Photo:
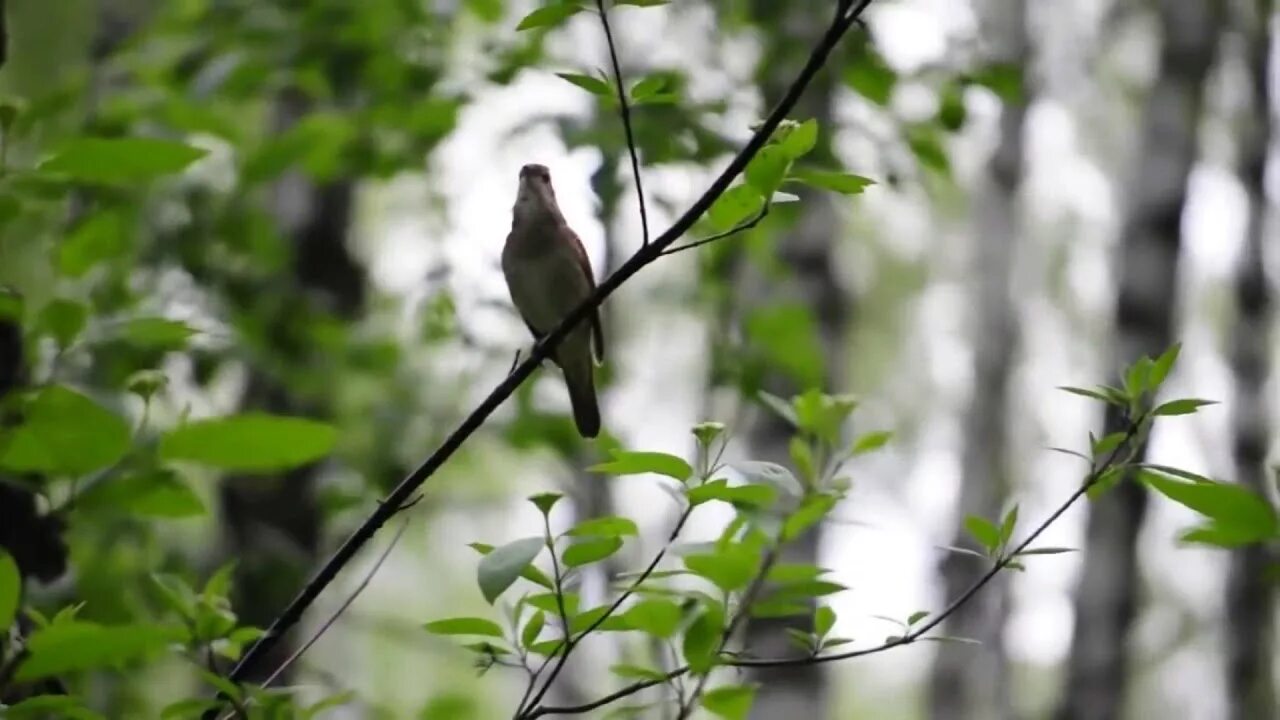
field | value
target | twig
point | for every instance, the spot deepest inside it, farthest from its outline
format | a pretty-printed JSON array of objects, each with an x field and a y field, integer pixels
[
  {"x": 531, "y": 710},
  {"x": 744, "y": 609},
  {"x": 742, "y": 227},
  {"x": 911, "y": 637},
  {"x": 625, "y": 111},
  {"x": 377, "y": 565},
  {"x": 843, "y": 20}
]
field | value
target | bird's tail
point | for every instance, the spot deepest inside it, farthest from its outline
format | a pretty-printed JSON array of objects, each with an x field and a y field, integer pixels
[{"x": 580, "y": 380}]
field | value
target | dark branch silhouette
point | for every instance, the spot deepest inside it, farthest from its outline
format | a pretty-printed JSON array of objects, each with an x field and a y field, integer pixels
[{"x": 845, "y": 16}]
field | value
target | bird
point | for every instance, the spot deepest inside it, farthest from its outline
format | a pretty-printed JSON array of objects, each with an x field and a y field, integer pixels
[{"x": 549, "y": 274}]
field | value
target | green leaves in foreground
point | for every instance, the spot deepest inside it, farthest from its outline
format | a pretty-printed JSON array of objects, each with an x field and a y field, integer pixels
[
  {"x": 1235, "y": 515},
  {"x": 65, "y": 433},
  {"x": 10, "y": 590},
  {"x": 252, "y": 442},
  {"x": 121, "y": 161},
  {"x": 75, "y": 645}
]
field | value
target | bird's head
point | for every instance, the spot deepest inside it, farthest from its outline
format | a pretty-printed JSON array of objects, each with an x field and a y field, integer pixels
[{"x": 535, "y": 196}]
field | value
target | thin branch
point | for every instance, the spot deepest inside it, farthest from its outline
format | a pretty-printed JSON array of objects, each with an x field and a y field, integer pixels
[
  {"x": 377, "y": 565},
  {"x": 610, "y": 698},
  {"x": 744, "y": 609},
  {"x": 572, "y": 642},
  {"x": 1094, "y": 476},
  {"x": 843, "y": 20},
  {"x": 625, "y": 111},
  {"x": 744, "y": 226}
]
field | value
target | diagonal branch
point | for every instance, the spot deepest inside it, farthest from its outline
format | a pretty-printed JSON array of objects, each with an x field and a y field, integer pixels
[
  {"x": 847, "y": 12},
  {"x": 624, "y": 110}
]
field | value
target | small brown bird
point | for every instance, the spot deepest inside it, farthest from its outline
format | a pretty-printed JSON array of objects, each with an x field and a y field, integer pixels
[{"x": 548, "y": 274}]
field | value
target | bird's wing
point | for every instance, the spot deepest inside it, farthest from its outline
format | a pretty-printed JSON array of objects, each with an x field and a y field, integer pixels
[{"x": 580, "y": 254}]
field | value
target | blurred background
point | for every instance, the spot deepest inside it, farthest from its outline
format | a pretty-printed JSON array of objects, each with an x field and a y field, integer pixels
[{"x": 1061, "y": 186}]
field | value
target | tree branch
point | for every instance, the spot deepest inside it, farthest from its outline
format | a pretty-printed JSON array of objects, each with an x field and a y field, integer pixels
[
  {"x": 571, "y": 643},
  {"x": 846, "y": 14},
  {"x": 625, "y": 111}
]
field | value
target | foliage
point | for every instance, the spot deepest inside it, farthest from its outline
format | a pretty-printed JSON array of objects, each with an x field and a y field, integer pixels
[{"x": 162, "y": 197}]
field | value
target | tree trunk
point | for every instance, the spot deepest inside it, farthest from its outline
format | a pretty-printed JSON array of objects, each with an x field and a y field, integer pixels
[
  {"x": 807, "y": 250},
  {"x": 969, "y": 681},
  {"x": 1106, "y": 598},
  {"x": 1250, "y": 601}
]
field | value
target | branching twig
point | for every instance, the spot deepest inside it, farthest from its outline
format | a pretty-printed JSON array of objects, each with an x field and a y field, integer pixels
[
  {"x": 744, "y": 609},
  {"x": 846, "y": 14},
  {"x": 625, "y": 111},
  {"x": 531, "y": 710},
  {"x": 1095, "y": 475},
  {"x": 741, "y": 227}
]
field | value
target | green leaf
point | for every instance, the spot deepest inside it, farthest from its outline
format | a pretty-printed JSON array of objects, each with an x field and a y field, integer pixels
[
  {"x": 189, "y": 708},
  {"x": 1007, "y": 524},
  {"x": 824, "y": 618},
  {"x": 103, "y": 235},
  {"x": 870, "y": 76},
  {"x": 656, "y": 616},
  {"x": 767, "y": 169},
  {"x": 1047, "y": 551},
  {"x": 1186, "y": 406},
  {"x": 65, "y": 433},
  {"x": 729, "y": 701},
  {"x": 10, "y": 591},
  {"x": 156, "y": 492},
  {"x": 916, "y": 617},
  {"x": 63, "y": 320},
  {"x": 928, "y": 149},
  {"x": 756, "y": 496},
  {"x": 1135, "y": 380},
  {"x": 250, "y": 442},
  {"x": 549, "y": 16},
  {"x": 730, "y": 569},
  {"x": 800, "y": 140},
  {"x": 1239, "y": 516},
  {"x": 609, "y": 526},
  {"x": 121, "y": 161},
  {"x": 1107, "y": 444},
  {"x": 501, "y": 567},
  {"x": 548, "y": 602},
  {"x": 845, "y": 183},
  {"x": 1004, "y": 79},
  {"x": 812, "y": 510},
  {"x": 781, "y": 407},
  {"x": 585, "y": 552},
  {"x": 530, "y": 573},
  {"x": 78, "y": 645},
  {"x": 870, "y": 442},
  {"x": 648, "y": 87},
  {"x": 41, "y": 707},
  {"x": 1163, "y": 364},
  {"x": 635, "y": 672},
  {"x": 533, "y": 628},
  {"x": 735, "y": 206},
  {"x": 634, "y": 463},
  {"x": 593, "y": 85},
  {"x": 984, "y": 531},
  {"x": 702, "y": 638},
  {"x": 1085, "y": 392},
  {"x": 545, "y": 501},
  {"x": 157, "y": 333},
  {"x": 952, "y": 112},
  {"x": 465, "y": 626}
]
